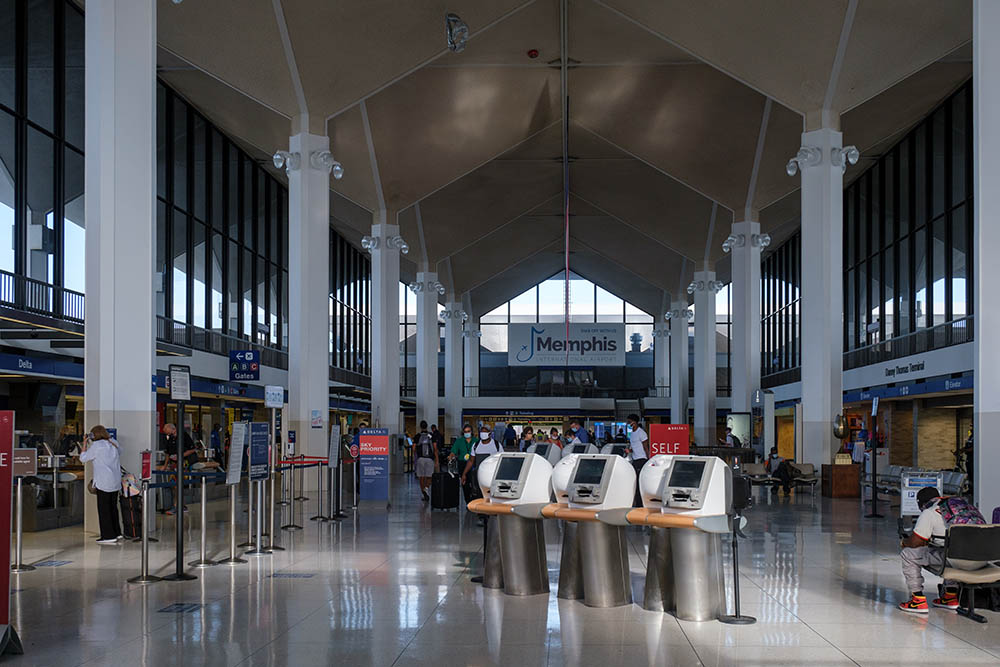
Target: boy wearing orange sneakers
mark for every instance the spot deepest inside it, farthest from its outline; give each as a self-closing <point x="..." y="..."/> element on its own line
<point x="924" y="549"/>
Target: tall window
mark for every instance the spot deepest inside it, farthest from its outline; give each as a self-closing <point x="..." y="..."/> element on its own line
<point x="780" y="327"/>
<point x="907" y="235"/>
<point x="222" y="230"/>
<point x="350" y="314"/>
<point x="41" y="149"/>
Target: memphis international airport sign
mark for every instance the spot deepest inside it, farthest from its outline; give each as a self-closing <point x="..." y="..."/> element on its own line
<point x="548" y="345"/>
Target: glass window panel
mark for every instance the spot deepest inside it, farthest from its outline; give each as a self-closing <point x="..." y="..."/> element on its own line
<point x="7" y="171"/>
<point x="875" y="209"/>
<point x="199" y="286"/>
<point x="851" y="317"/>
<point x="850" y="220"/>
<point x="920" y="279"/>
<point x="889" y="199"/>
<point x="272" y="221"/>
<point x="261" y="212"/>
<point x="903" y="227"/>
<point x="494" y="337"/>
<point x="218" y="159"/>
<point x="7" y="54"/>
<point x="874" y="291"/>
<point x="73" y="76"/>
<point x="262" y="333"/>
<point x="40" y="200"/>
<point x="959" y="271"/>
<point x="161" y="141"/>
<point x="581" y="295"/>
<point x="249" y="206"/>
<point x="638" y="337"/>
<point x="218" y="244"/>
<point x="939" y="157"/>
<point x="233" y="190"/>
<point x="862" y="278"/>
<point x="180" y="143"/>
<point x="284" y="309"/>
<point x="272" y="312"/>
<point x="179" y="262"/>
<point x="959" y="142"/>
<point x="888" y="301"/>
<point x="635" y="315"/>
<point x="863" y="233"/>
<point x="247" y="287"/>
<point x="283" y="231"/>
<point x="609" y="307"/>
<point x="199" y="165"/>
<point x="921" y="181"/>
<point x="40" y="40"/>
<point x="161" y="258"/>
<point x="904" y="290"/>
<point x="74" y="237"/>
<point x="551" y="299"/>
<point x="940" y="241"/>
<point x="524" y="306"/>
<point x="233" y="288"/>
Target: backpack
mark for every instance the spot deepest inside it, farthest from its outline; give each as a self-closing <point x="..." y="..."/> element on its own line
<point x="958" y="511"/>
<point x="424" y="443"/>
<point x="996" y="515"/>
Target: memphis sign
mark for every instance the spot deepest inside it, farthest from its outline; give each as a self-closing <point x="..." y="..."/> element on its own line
<point x="548" y="345"/>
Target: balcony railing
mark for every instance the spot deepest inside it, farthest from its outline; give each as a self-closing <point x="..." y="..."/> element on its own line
<point x="40" y="298"/>
<point x="188" y="335"/>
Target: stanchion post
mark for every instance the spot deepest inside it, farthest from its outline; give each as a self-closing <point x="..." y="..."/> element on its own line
<point x="249" y="542"/>
<point x="291" y="525"/>
<point x="337" y="511"/>
<point x="233" y="558"/>
<point x="302" y="497"/>
<point x="144" y="576"/>
<point x="258" y="549"/>
<point x="319" y="495"/>
<point x="19" y="565"/>
<point x="204" y="560"/>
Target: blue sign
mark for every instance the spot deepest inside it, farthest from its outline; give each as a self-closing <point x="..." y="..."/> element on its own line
<point x="244" y="365"/>
<point x="259" y="442"/>
<point x="374" y="460"/>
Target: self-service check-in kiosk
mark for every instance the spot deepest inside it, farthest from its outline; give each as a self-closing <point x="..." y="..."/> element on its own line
<point x="515" y="489"/>
<point x="687" y="502"/>
<point x="548" y="451"/>
<point x="587" y="485"/>
<point x="616" y="448"/>
<point x="579" y="448"/>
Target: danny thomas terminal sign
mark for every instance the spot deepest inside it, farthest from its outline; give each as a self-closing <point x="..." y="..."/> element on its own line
<point x="547" y="344"/>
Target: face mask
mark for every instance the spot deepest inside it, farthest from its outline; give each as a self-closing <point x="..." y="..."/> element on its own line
<point x="774" y="456"/>
<point x="484" y="436"/>
<point x="468" y="435"/>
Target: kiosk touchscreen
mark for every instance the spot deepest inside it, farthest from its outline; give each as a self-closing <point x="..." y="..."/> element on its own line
<point x="617" y="449"/>
<point x="601" y="481"/>
<point x="579" y="448"/>
<point x="520" y="478"/>
<point x="697" y="483"/>
<point x="547" y="451"/>
<point x="562" y="475"/>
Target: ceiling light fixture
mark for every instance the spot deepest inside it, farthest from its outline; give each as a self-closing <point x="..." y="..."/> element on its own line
<point x="841" y="157"/>
<point x="290" y="161"/>
<point x="324" y="161"/>
<point x="808" y="156"/>
<point x="457" y="32"/>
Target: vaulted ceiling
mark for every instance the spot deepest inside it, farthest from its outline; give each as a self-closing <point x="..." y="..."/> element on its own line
<point x="673" y="106"/>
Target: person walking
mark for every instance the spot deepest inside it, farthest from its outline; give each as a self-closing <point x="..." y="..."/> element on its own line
<point x="99" y="448"/>
<point x="425" y="455"/>
<point x="638" y="442"/>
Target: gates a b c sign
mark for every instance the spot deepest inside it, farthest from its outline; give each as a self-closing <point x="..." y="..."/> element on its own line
<point x="669" y="439"/>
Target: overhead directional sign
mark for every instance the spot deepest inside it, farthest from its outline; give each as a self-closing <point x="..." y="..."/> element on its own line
<point x="244" y="365"/>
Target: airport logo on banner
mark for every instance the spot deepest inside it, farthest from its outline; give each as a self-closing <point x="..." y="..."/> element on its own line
<point x="548" y="344"/>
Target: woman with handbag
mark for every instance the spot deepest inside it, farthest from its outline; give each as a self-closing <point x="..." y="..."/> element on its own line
<point x="99" y="448"/>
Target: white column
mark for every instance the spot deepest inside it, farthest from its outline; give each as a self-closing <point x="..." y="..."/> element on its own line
<point x="428" y="343"/>
<point x="472" y="335"/>
<point x="679" y="365"/>
<point x="822" y="291"/>
<point x="454" y="348"/>
<point x="120" y="187"/>
<point x="746" y="246"/>
<point x="385" y="244"/>
<point x="986" y="96"/>
<point x="308" y="292"/>
<point x="704" y="358"/>
<point x="661" y="360"/>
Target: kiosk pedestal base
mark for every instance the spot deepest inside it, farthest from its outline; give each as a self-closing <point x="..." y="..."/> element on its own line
<point x="697" y="574"/>
<point x="492" y="563"/>
<point x="522" y="551"/>
<point x="606" y="578"/>
<point x="659" y="594"/>
<point x="570" y="574"/>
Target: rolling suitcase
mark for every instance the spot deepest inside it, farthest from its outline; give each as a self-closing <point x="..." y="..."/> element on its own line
<point x="131" y="516"/>
<point x="444" y="491"/>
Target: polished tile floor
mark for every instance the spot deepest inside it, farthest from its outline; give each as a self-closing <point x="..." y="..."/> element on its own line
<point x="393" y="589"/>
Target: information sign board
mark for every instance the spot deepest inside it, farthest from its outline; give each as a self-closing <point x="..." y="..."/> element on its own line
<point x="244" y="365"/>
<point x="180" y="382"/>
<point x="669" y="439"/>
<point x="274" y="396"/>
<point x="910" y="484"/>
<point x="374" y="451"/>
<point x="25" y="462"/>
<point x="259" y="450"/>
<point x="237" y="445"/>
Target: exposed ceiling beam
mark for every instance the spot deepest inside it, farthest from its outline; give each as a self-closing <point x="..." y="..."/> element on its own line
<point x="372" y="158"/>
<point x="293" y="69"/>
<point x="711" y="234"/>
<point x="748" y="212"/>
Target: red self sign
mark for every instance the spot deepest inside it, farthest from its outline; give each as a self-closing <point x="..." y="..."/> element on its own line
<point x="668" y="439"/>
<point x="147" y="465"/>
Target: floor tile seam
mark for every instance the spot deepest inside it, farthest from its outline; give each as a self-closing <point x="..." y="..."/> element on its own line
<point x="839" y="649"/>
<point x="426" y="620"/>
<point x="949" y="632"/>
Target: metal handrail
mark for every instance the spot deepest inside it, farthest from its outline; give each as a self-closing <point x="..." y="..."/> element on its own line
<point x="41" y="298"/>
<point x="216" y="342"/>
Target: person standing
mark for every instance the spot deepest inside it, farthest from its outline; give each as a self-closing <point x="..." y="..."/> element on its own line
<point x="510" y="439"/>
<point x="638" y="443"/>
<point x="485" y="448"/>
<point x="461" y="454"/>
<point x="438" y="438"/>
<point x="99" y="448"/>
<point x="425" y="455"/>
<point x="577" y="433"/>
<point x="554" y="438"/>
<point x="527" y="435"/>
